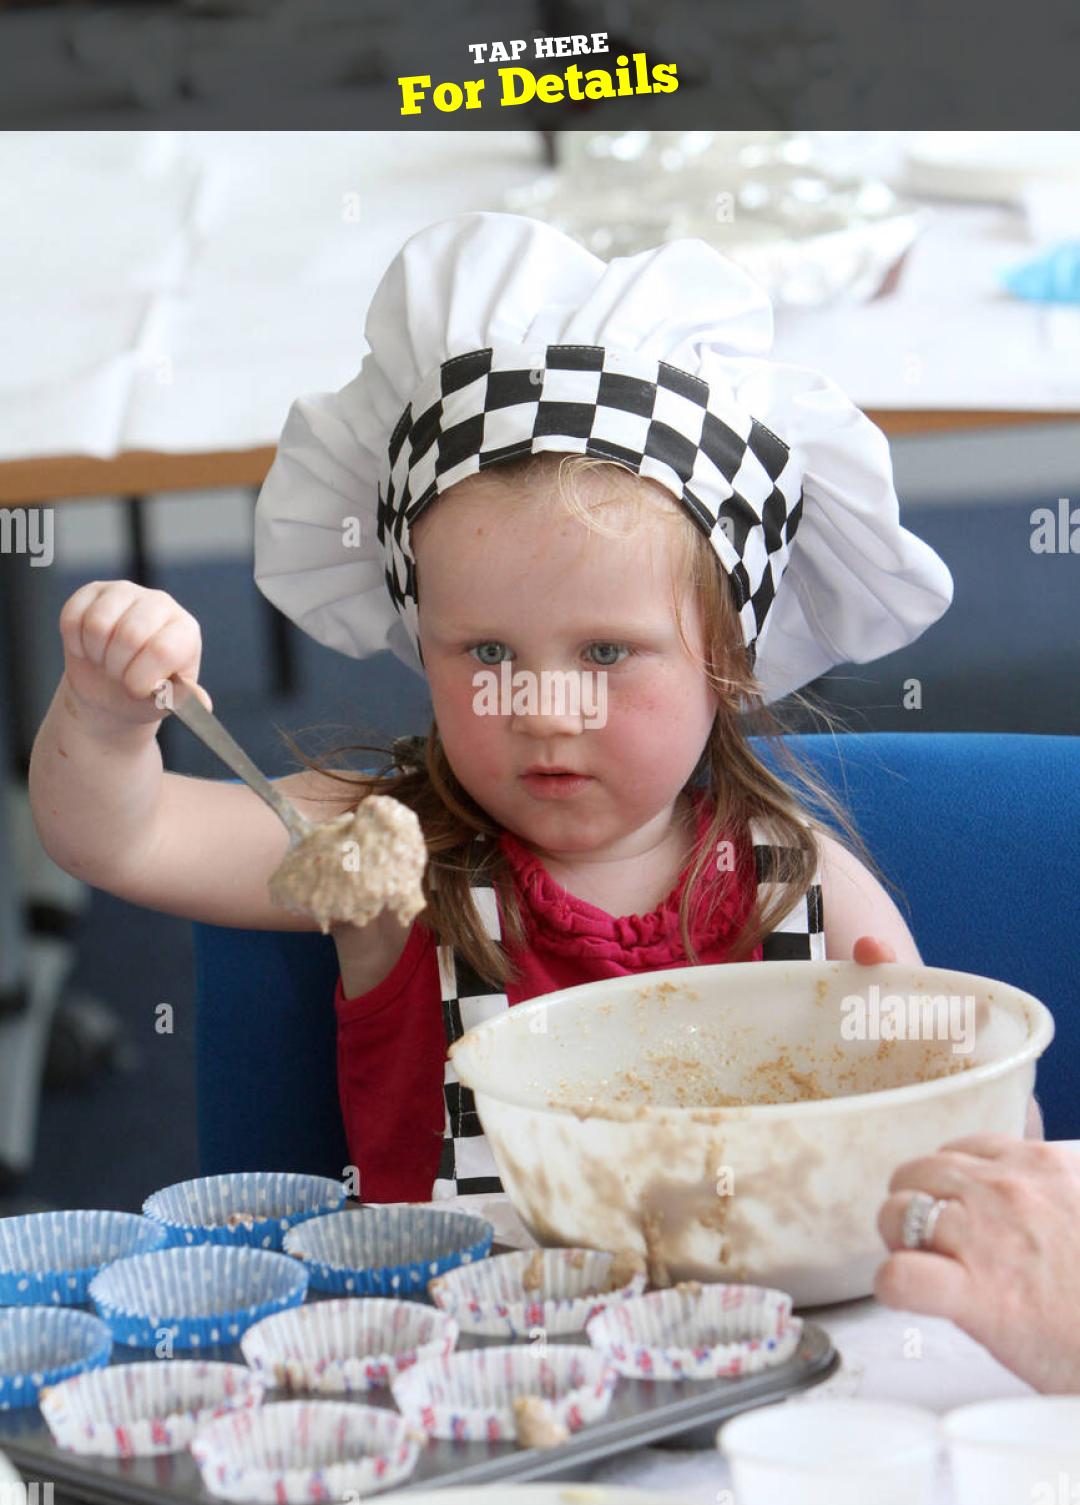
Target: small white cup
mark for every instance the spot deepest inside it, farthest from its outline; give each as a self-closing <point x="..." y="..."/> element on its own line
<point x="833" y="1452"/>
<point x="1025" y="1450"/>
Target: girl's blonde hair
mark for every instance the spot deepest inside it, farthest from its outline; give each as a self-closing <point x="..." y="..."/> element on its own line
<point x="740" y="785"/>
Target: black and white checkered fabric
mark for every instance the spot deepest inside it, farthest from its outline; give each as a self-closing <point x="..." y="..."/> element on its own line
<point x="466" y="1165"/>
<point x="737" y="480"/>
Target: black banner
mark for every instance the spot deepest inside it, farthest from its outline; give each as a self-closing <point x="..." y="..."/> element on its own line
<point x="537" y="65"/>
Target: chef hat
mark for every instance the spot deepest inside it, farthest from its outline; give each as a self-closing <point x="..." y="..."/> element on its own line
<point x="492" y="336"/>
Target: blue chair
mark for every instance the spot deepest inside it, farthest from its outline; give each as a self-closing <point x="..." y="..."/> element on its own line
<point x="980" y="832"/>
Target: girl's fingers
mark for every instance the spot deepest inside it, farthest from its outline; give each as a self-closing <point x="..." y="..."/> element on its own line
<point x="868" y="951"/>
<point x="169" y="651"/>
<point x="139" y="625"/>
<point x="93" y="617"/>
<point x="186" y="684"/>
<point x="72" y="613"/>
<point x="100" y="621"/>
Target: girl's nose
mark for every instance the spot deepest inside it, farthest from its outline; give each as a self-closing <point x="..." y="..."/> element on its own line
<point x="552" y="703"/>
<point x="549" y="721"/>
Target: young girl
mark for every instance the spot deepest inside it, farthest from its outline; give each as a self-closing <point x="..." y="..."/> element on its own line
<point x="546" y="466"/>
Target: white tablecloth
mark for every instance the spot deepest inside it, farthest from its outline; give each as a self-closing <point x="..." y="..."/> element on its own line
<point x="175" y="291"/>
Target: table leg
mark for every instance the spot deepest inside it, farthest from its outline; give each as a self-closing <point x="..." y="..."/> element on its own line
<point x="284" y="679"/>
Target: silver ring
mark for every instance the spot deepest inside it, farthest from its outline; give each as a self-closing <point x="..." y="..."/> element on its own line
<point x="920" y="1220"/>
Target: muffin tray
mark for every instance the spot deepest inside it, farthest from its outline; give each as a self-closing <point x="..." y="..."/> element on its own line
<point x="684" y="1413"/>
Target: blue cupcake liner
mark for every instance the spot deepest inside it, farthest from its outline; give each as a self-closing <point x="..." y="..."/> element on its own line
<point x="242" y="1207"/>
<point x="200" y="1297"/>
<point x="50" y="1258"/>
<point x="387" y="1251"/>
<point x="42" y="1345"/>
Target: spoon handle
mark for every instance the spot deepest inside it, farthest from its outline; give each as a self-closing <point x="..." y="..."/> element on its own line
<point x="189" y="708"/>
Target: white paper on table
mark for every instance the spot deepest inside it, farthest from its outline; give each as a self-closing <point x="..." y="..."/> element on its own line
<point x="66" y="375"/>
<point x="940" y="354"/>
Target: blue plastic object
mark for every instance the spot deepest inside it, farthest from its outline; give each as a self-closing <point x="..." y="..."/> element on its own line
<point x="1051" y="278"/>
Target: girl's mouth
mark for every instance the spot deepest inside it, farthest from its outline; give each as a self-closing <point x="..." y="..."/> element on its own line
<point x="554" y="785"/>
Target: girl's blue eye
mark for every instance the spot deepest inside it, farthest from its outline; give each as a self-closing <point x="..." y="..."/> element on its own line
<point x="477" y="647"/>
<point x="610" y="663"/>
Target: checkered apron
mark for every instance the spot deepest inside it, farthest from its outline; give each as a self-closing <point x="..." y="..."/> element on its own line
<point x="466" y="1164"/>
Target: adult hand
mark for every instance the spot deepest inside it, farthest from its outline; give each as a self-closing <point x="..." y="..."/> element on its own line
<point x="1002" y="1261"/>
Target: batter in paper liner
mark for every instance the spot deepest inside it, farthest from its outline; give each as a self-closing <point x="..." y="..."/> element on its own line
<point x="535" y="1425"/>
<point x="350" y="868"/>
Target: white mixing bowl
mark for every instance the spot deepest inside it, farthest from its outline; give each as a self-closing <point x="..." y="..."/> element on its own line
<point x="741" y="1122"/>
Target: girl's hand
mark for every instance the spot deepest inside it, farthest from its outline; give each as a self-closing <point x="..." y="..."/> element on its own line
<point x="120" y="642"/>
<point x="868" y="951"/>
<point x="1002" y="1263"/>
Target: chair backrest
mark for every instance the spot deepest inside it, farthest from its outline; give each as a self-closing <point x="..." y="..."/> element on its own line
<point x="980" y="832"/>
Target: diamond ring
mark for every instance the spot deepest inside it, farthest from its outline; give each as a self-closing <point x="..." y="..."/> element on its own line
<point x="920" y="1220"/>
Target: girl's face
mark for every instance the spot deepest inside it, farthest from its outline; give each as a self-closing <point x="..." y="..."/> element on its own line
<point x="512" y="580"/>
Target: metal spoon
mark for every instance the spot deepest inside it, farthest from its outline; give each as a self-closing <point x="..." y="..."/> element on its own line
<point x="186" y="705"/>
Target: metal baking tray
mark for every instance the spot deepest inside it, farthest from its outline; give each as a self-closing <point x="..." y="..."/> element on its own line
<point x="684" y="1413"/>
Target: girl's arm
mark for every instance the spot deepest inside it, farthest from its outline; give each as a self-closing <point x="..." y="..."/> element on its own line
<point x="863" y="923"/>
<point x="855" y="906"/>
<point x="104" y="807"/>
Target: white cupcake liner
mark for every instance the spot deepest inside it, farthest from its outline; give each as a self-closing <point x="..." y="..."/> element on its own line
<point x="242" y="1207"/>
<point x="304" y="1451"/>
<point x="698" y="1332"/>
<point x="469" y="1396"/>
<point x="41" y="1345"/>
<point x="140" y="1410"/>
<point x="49" y="1258"/>
<point x="512" y="1295"/>
<point x="348" y="1346"/>
<point x="201" y="1297"/>
<point x="387" y="1250"/>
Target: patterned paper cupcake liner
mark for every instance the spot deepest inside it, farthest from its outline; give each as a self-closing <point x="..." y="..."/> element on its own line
<point x="42" y="1345"/>
<point x="244" y="1207"/>
<point x="536" y="1395"/>
<point x="195" y="1297"/>
<point x="697" y="1332"/>
<point x="140" y="1410"/>
<point x="554" y="1290"/>
<point x="348" y="1346"/>
<point x="386" y="1251"/>
<point x="304" y="1451"/>
<point x="50" y="1258"/>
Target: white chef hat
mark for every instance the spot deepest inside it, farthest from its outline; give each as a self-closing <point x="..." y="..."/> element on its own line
<point x="492" y="336"/>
